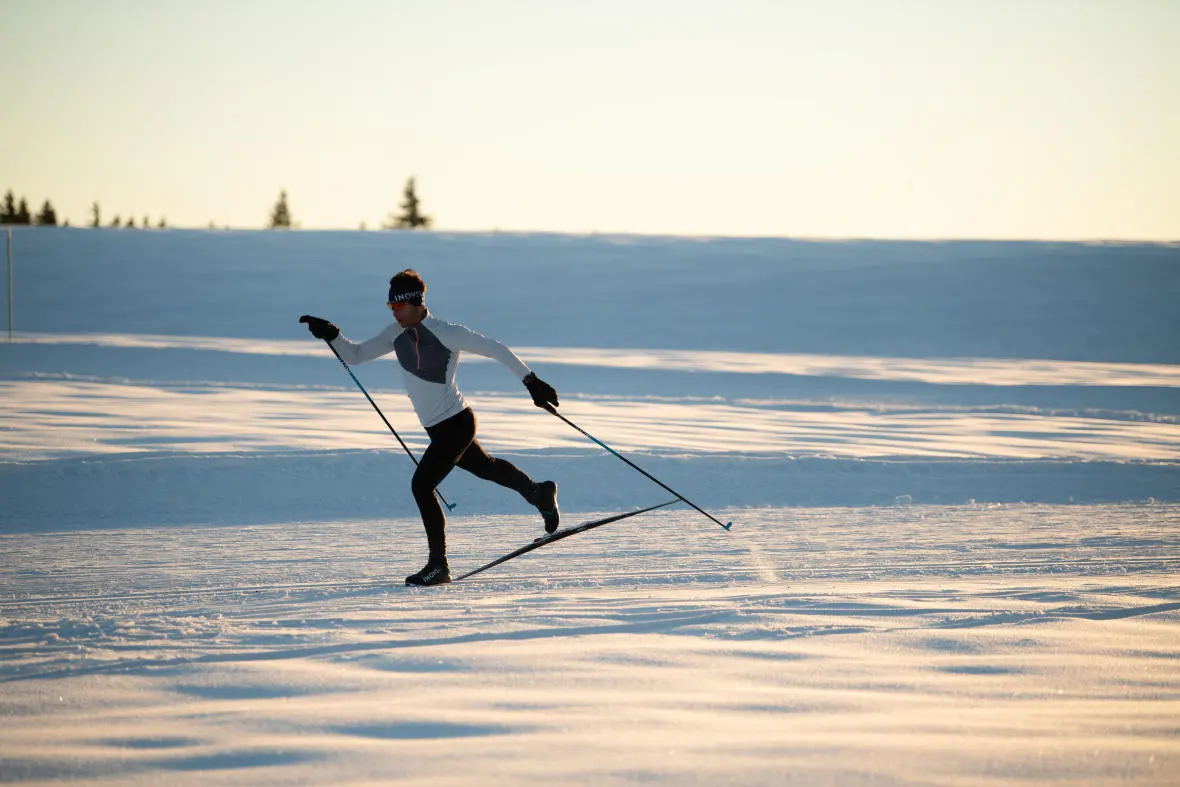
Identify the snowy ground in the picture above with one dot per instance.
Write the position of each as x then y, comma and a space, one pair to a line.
941, 645
953, 471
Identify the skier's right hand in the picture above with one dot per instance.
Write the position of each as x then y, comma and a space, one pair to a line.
544, 395
320, 328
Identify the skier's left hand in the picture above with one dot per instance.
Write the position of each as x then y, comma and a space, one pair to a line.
544, 395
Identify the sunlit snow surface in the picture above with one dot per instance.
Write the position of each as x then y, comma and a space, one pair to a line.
953, 371
52, 418
953, 473
916, 645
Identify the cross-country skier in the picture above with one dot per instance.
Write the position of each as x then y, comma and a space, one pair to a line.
428, 350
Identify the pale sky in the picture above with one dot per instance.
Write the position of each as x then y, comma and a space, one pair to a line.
1054, 119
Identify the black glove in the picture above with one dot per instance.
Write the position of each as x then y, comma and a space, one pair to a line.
320, 328
542, 392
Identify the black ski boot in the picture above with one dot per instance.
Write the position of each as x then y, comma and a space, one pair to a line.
545, 499
435, 572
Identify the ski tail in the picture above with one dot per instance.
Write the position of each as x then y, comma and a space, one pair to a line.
560, 534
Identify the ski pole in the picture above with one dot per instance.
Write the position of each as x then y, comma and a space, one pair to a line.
450, 506
634, 466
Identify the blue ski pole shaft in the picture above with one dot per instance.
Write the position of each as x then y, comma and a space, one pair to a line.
636, 467
347, 368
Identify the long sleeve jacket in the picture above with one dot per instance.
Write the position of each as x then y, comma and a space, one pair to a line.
429, 356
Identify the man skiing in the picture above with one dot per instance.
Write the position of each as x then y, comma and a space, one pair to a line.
428, 351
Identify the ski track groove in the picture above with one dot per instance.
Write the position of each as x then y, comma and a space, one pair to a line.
1163, 563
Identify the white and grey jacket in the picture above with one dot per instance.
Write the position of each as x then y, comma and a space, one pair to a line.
429, 355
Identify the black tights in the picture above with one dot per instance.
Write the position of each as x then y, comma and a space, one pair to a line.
453, 444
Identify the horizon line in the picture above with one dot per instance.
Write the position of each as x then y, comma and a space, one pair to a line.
803, 238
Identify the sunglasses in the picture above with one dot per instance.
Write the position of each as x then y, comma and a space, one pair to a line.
397, 306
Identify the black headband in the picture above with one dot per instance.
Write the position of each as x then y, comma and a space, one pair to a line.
414, 297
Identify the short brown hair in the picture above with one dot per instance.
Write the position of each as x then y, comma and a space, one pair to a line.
407, 287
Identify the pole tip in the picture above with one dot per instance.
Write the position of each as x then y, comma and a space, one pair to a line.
727, 525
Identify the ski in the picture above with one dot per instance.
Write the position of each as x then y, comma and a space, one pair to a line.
560, 534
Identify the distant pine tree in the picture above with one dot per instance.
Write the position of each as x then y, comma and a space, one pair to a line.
411, 216
95, 215
280, 217
116, 222
48, 216
162, 223
8, 211
130, 223
22, 213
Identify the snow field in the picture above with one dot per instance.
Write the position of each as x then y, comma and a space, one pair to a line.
920, 645
953, 472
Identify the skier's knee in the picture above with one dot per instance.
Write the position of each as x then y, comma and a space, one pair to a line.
422, 488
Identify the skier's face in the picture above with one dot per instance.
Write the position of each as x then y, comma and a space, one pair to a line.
407, 314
